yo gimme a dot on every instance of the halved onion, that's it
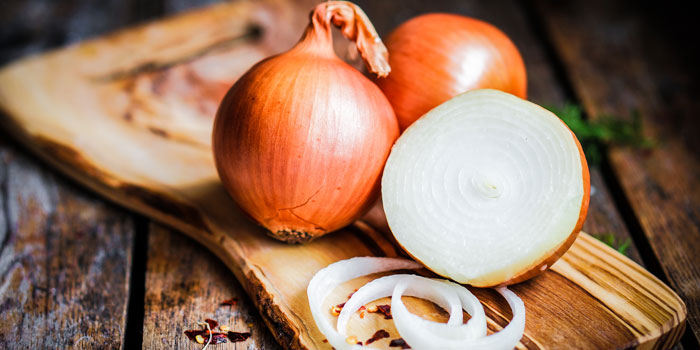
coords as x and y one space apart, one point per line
486 189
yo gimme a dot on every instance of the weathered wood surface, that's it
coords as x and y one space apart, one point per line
658 78
169 176
186 284
65 259
65 256
29 27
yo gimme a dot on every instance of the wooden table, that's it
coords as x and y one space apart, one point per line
80 272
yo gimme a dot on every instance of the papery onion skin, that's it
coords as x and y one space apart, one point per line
437 56
301 139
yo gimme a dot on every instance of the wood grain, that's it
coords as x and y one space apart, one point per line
66 257
186 284
172 179
65 260
656 79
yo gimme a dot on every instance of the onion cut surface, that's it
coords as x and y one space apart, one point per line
486 189
419 333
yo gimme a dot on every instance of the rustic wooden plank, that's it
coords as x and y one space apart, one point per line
66 256
185 283
543 85
624 56
171 178
64 261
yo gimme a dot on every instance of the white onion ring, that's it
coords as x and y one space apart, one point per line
433 290
417 338
328 278
419 333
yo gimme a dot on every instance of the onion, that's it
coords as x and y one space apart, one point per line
325 280
436 56
419 333
300 140
440 292
486 189
418 338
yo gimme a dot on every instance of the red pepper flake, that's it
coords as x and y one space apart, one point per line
395 343
385 310
216 337
380 334
236 337
362 311
353 292
212 323
341 305
325 340
229 302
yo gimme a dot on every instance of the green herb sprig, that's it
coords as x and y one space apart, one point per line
610 240
602 131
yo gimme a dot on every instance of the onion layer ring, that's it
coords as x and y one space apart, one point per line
419 333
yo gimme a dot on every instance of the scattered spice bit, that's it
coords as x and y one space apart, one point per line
341 305
359 343
202 336
193 333
250 325
372 309
325 340
395 343
362 311
351 340
206 324
218 338
224 328
385 310
229 302
335 310
236 337
380 334
212 323
353 292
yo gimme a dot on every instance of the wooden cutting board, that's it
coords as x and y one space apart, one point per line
129 115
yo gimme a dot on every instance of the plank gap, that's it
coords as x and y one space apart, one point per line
639 239
133 334
620 201
534 20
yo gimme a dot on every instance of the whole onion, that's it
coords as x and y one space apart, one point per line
301 139
435 57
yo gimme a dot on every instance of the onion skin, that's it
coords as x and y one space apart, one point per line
301 139
435 57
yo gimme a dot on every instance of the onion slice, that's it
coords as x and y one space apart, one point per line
419 333
444 295
328 278
487 189
415 335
